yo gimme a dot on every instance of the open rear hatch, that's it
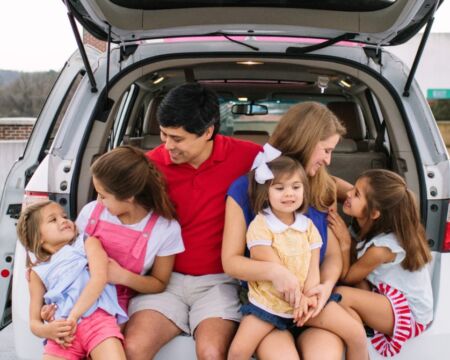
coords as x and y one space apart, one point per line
376 22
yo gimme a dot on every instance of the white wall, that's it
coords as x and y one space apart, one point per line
10 150
433 71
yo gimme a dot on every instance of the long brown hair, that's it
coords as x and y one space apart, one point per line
387 193
297 134
280 167
126 172
29 232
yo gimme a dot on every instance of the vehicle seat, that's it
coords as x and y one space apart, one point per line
151 134
354 153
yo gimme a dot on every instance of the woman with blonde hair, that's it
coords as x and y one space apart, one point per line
308 132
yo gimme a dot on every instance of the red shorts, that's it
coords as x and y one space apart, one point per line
91 331
405 326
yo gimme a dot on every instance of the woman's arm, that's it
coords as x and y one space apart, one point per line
330 269
57 329
153 283
98 267
340 231
372 258
238 266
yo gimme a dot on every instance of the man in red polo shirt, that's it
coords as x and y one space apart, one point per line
199 166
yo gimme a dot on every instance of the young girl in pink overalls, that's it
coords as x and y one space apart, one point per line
135 222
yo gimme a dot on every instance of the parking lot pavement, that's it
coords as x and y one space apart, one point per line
7 344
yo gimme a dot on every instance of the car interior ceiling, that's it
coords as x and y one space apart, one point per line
274 83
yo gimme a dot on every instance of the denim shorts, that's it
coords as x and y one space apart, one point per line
279 322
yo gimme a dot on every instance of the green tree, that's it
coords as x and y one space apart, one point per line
26 95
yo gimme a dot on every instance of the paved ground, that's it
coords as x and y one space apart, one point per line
7 344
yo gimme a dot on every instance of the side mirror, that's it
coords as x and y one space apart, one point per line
249 109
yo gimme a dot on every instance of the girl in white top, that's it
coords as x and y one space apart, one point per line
391 257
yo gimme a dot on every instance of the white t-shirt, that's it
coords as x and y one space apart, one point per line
164 240
415 285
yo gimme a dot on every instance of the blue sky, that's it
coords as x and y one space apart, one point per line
29 30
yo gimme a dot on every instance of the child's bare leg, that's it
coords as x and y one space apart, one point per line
109 349
374 309
363 285
336 319
250 333
51 357
278 344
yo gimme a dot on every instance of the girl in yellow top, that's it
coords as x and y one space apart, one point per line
281 233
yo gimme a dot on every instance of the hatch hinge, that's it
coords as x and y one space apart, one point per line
374 53
295 50
418 56
126 50
81 48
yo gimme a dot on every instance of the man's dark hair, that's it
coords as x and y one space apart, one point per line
191 106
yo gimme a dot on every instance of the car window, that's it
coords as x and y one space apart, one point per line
60 115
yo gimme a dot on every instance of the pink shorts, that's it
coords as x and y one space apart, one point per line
405 326
91 331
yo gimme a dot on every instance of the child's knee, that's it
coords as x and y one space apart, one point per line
238 351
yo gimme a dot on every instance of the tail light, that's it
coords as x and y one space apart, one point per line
32 197
446 246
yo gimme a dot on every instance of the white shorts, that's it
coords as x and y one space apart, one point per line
188 300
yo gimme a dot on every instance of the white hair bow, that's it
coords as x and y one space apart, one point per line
262 172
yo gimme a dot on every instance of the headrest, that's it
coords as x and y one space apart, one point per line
346 146
350 114
151 125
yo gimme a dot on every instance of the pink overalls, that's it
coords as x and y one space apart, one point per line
127 247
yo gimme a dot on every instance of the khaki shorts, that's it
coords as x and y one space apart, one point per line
188 300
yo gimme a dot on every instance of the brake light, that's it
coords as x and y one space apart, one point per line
446 246
32 197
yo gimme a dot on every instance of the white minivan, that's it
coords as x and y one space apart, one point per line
263 56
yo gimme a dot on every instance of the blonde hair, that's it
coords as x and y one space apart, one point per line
298 133
29 233
126 172
387 193
280 167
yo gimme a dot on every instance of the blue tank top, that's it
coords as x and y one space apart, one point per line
238 191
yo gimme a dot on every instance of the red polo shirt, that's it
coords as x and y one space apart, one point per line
199 199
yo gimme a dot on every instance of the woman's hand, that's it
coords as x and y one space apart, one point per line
287 284
323 292
308 305
340 230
